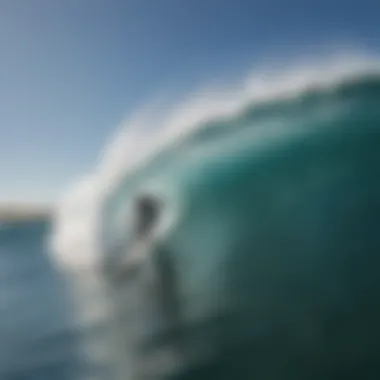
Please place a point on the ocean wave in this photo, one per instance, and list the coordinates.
(76, 239)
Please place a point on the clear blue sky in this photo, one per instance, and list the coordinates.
(71, 70)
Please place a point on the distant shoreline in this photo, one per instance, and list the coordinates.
(21, 213)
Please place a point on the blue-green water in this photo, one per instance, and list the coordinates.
(269, 267)
(37, 338)
(256, 255)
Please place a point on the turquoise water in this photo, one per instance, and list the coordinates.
(263, 258)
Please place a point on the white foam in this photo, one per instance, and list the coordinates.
(75, 235)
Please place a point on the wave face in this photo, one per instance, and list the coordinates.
(238, 236)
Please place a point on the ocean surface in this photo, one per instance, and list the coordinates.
(37, 335)
(262, 260)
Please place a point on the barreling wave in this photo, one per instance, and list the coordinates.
(272, 101)
(167, 152)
